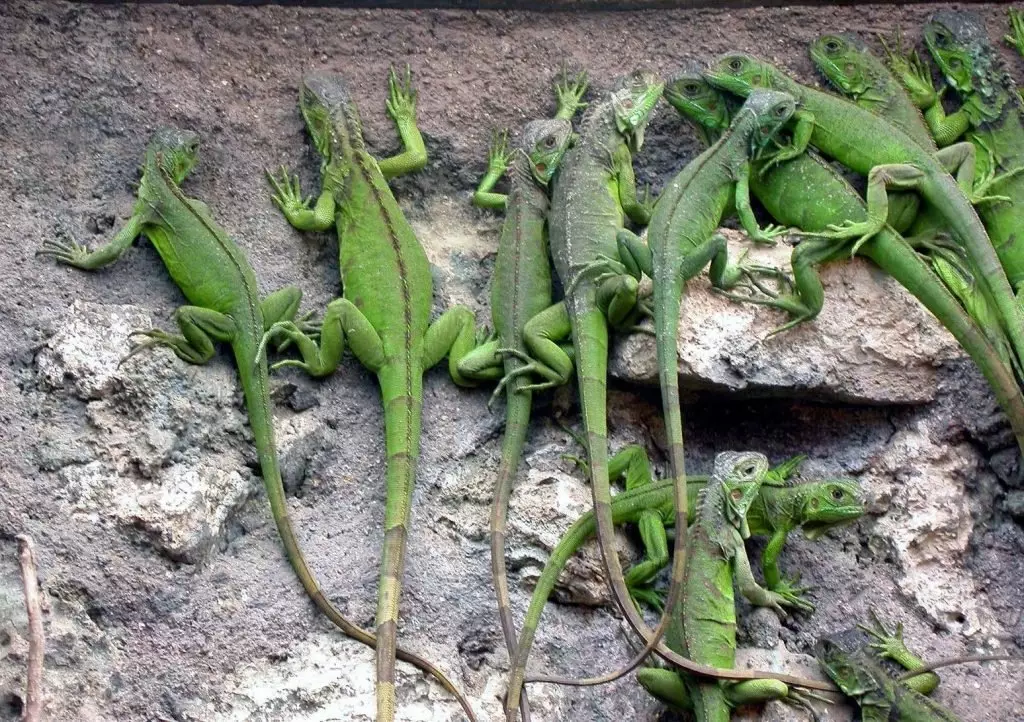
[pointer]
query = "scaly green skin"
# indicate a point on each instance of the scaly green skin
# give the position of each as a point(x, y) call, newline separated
point(869, 145)
point(385, 310)
point(703, 625)
point(520, 289)
point(779, 509)
point(808, 193)
point(216, 278)
point(858, 74)
point(995, 116)
point(854, 664)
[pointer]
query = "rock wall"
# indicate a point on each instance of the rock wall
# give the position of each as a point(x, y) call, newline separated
point(168, 593)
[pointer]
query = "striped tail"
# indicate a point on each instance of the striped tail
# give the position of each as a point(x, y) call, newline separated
point(402, 394)
point(517, 420)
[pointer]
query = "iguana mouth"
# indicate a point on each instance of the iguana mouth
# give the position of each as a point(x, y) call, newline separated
point(814, 530)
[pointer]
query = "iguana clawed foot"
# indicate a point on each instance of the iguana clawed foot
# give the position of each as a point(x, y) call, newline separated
point(789, 589)
point(888, 643)
point(647, 594)
point(287, 191)
point(401, 102)
point(67, 251)
point(569, 91)
point(1017, 25)
point(914, 73)
point(499, 155)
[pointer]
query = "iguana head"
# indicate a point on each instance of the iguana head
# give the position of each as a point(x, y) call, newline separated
point(696, 100)
point(846, 666)
point(743, 473)
point(960, 46)
point(633, 99)
point(771, 109)
point(828, 504)
point(328, 110)
point(175, 150)
point(840, 59)
point(739, 73)
point(545, 142)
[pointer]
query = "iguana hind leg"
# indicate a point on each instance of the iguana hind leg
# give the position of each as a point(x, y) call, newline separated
point(200, 327)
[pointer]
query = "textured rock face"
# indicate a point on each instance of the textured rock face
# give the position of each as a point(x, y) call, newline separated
point(168, 593)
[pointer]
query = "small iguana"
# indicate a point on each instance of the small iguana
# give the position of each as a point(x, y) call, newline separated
point(385, 311)
point(856, 72)
point(520, 289)
point(854, 660)
point(703, 626)
point(991, 117)
point(780, 507)
point(808, 193)
point(871, 146)
point(217, 280)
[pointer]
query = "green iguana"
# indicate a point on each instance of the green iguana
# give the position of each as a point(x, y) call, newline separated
point(216, 278)
point(854, 659)
point(385, 311)
point(780, 507)
point(808, 193)
point(520, 289)
point(593, 192)
point(857, 73)
point(991, 118)
point(870, 145)
point(703, 624)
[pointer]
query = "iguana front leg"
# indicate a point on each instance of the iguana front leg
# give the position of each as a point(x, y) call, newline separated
point(637, 208)
point(803, 128)
point(891, 645)
point(401, 106)
point(71, 253)
point(498, 158)
point(754, 592)
point(569, 92)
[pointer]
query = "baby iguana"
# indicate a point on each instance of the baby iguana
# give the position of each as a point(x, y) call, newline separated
point(703, 626)
point(870, 145)
point(808, 193)
point(857, 73)
point(216, 278)
point(854, 660)
point(520, 289)
point(991, 117)
point(385, 311)
point(780, 507)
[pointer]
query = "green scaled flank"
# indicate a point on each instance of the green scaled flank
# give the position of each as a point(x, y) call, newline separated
point(216, 278)
point(384, 314)
point(520, 289)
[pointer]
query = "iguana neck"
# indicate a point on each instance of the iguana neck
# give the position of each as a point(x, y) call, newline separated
point(711, 508)
point(599, 135)
point(344, 146)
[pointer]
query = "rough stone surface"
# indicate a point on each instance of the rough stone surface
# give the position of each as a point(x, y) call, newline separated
point(168, 595)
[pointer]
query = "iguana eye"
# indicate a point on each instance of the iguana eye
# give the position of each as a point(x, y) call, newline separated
point(736, 64)
point(780, 111)
point(627, 104)
point(941, 38)
point(837, 494)
point(691, 89)
point(549, 142)
point(832, 45)
point(955, 64)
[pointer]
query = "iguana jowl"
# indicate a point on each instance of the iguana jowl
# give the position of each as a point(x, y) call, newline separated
point(384, 313)
point(217, 280)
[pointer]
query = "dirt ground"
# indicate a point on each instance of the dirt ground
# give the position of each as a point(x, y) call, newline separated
point(220, 630)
